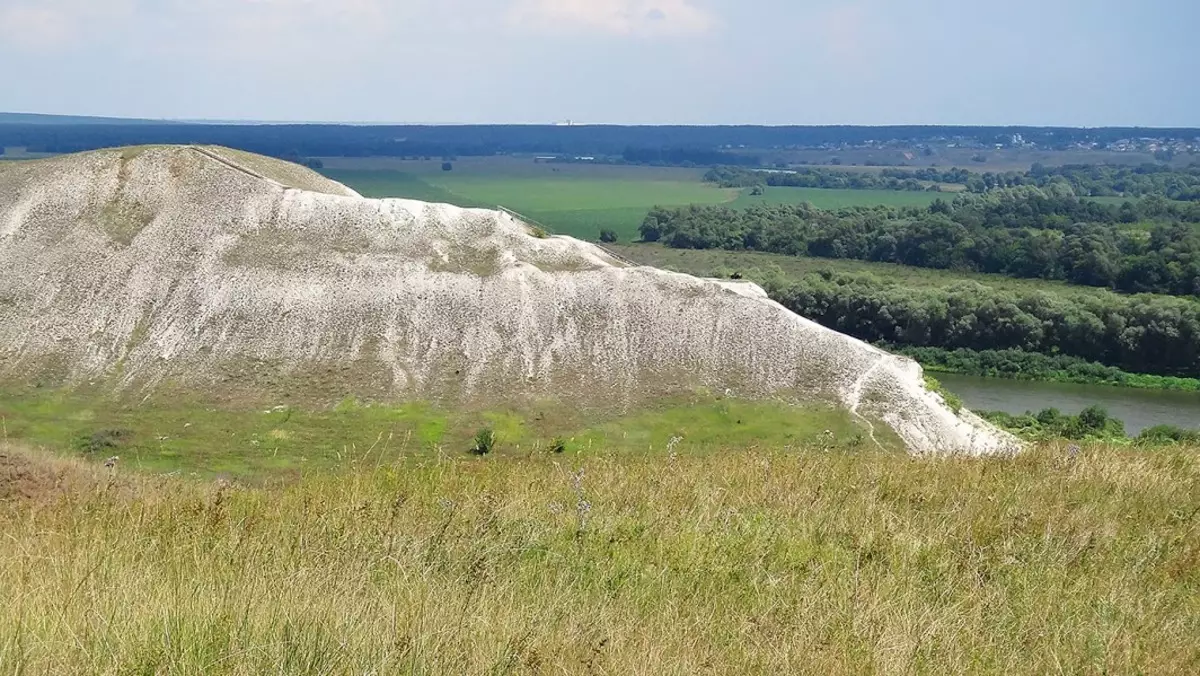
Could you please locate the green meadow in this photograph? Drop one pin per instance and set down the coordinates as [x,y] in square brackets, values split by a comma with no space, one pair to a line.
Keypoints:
[572,199]
[264,441]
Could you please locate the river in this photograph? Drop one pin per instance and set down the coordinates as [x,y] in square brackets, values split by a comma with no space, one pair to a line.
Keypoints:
[1138,408]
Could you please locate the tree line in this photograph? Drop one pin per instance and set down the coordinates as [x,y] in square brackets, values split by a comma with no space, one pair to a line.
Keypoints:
[810,177]
[313,140]
[1024,232]
[1017,364]
[1136,333]
[1178,184]
[1182,184]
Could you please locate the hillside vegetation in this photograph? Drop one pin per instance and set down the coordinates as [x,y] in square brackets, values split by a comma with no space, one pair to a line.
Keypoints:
[738,562]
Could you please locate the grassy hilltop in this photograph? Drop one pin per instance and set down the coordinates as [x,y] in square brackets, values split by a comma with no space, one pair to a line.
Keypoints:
[761,561]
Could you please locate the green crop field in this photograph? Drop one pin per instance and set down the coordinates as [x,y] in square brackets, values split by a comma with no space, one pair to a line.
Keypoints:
[571,199]
[578,199]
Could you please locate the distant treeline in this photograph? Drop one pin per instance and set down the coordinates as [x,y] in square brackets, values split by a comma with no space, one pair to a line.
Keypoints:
[1138,333]
[1103,181]
[1021,365]
[1021,232]
[1181,184]
[469,140]
[811,177]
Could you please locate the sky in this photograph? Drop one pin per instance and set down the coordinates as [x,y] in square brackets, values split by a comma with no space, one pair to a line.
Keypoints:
[1034,62]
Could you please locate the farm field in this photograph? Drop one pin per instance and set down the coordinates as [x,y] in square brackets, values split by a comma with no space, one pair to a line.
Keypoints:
[571,199]
[577,199]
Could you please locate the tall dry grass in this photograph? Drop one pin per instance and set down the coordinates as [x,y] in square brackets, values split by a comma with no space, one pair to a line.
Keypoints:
[735,563]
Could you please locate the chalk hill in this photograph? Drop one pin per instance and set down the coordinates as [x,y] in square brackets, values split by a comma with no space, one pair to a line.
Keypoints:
[155,270]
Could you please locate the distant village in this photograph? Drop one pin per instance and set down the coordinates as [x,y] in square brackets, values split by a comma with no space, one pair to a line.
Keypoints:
[1144,144]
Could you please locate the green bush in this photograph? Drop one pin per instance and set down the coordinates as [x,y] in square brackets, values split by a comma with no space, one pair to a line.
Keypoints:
[1168,433]
[485,441]
[608,236]
[1092,422]
[102,441]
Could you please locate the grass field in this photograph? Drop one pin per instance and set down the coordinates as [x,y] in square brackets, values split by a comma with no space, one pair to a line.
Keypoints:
[264,441]
[572,199]
[747,562]
[577,199]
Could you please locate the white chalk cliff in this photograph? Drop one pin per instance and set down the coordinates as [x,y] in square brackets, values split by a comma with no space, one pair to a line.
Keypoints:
[155,269]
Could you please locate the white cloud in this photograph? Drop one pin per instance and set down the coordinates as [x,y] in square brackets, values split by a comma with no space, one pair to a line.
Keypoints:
[616,17]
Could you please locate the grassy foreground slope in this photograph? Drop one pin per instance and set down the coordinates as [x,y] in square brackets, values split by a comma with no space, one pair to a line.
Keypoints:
[742,562]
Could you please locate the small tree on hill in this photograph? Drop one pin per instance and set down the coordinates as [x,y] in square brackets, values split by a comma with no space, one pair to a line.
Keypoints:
[608,236]
[446,166]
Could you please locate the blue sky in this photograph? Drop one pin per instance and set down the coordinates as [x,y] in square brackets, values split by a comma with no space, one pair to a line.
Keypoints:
[1044,62]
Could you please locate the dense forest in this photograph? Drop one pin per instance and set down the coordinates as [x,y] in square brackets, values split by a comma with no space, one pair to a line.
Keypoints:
[1024,232]
[680,144]
[1136,333]
[1180,184]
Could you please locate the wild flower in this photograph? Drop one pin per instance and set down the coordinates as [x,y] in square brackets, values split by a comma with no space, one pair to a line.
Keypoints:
[672,456]
[584,509]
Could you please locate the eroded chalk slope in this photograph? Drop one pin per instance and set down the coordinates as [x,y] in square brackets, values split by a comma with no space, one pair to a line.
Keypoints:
[164,267]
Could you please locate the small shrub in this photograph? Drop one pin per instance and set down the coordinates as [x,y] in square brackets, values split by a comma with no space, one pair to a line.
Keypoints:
[485,440]
[538,232]
[447,166]
[608,236]
[102,441]
[1167,434]
[559,445]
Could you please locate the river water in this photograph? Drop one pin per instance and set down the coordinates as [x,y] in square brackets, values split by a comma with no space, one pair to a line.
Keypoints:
[1138,408]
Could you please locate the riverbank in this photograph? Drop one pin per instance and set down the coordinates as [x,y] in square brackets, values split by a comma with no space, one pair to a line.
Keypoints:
[1035,367]
[1137,409]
